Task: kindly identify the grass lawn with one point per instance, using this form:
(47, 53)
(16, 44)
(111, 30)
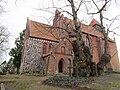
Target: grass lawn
(28, 82)
(106, 82)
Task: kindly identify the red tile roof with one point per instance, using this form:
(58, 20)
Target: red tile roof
(93, 22)
(43, 31)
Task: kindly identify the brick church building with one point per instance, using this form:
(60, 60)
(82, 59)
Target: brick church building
(49, 47)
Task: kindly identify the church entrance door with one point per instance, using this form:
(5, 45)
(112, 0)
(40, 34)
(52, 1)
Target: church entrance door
(60, 66)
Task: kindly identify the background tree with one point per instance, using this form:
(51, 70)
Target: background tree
(4, 34)
(16, 52)
(10, 66)
(3, 40)
(4, 66)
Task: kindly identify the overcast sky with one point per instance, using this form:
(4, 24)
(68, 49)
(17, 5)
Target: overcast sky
(14, 19)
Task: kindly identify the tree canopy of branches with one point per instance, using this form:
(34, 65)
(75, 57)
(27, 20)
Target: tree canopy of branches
(16, 52)
(3, 40)
(4, 34)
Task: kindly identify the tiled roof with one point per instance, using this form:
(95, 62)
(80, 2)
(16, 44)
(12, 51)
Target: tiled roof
(43, 31)
(93, 22)
(47, 32)
(91, 30)
(86, 28)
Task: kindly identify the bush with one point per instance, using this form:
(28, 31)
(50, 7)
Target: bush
(66, 81)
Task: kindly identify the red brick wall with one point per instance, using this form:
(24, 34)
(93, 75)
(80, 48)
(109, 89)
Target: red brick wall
(58, 54)
(114, 56)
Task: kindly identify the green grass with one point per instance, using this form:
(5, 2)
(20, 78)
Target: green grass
(106, 82)
(29, 82)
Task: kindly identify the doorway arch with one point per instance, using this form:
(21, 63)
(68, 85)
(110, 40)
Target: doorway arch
(60, 66)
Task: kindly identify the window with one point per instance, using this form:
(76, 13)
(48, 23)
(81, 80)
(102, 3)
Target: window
(50, 46)
(44, 48)
(97, 27)
(62, 49)
(87, 42)
(69, 62)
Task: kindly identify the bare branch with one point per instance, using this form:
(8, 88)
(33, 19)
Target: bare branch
(117, 3)
(116, 34)
(67, 12)
(95, 4)
(114, 28)
(3, 39)
(69, 1)
(46, 10)
(79, 6)
(113, 20)
(102, 8)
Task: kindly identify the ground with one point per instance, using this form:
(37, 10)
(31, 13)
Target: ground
(33, 82)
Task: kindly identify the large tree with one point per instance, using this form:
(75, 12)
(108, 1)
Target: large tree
(16, 52)
(82, 56)
(78, 45)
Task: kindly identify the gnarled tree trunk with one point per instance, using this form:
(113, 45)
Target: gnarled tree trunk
(82, 63)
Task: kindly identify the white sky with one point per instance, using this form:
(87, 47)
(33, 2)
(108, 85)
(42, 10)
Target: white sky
(15, 17)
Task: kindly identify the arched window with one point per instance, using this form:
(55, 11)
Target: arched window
(50, 46)
(60, 66)
(87, 42)
(44, 48)
(62, 49)
(69, 62)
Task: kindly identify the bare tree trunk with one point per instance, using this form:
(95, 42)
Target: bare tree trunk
(79, 52)
(105, 58)
(83, 59)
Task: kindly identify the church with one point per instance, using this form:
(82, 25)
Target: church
(49, 47)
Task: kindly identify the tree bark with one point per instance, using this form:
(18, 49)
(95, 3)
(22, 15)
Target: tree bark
(82, 62)
(79, 55)
(106, 57)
